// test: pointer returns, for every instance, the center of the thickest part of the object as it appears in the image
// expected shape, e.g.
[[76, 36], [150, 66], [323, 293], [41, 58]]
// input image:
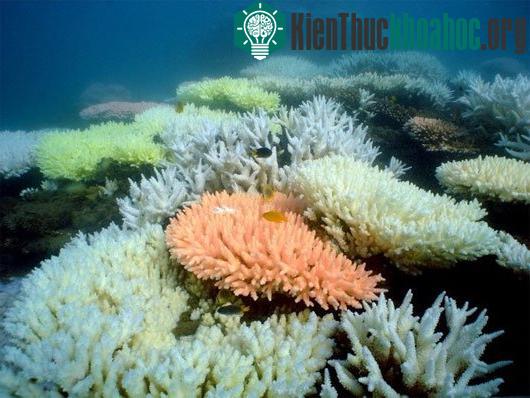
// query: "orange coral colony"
[[225, 238]]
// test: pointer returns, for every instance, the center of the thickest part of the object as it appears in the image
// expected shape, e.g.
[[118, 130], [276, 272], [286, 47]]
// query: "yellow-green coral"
[[229, 93], [75, 154]]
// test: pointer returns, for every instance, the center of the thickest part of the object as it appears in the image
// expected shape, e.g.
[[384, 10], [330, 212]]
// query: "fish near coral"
[[274, 216], [241, 253], [262, 152], [232, 309]]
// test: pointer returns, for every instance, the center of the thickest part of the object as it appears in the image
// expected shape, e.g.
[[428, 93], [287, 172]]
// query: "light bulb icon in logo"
[[259, 27]]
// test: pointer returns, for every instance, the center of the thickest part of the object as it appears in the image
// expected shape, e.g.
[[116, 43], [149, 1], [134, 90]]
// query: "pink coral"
[[115, 110], [226, 239]]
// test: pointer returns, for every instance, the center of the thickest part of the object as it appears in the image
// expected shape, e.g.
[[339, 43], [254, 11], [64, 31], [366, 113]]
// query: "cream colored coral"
[[368, 211], [98, 320], [494, 177], [396, 354]]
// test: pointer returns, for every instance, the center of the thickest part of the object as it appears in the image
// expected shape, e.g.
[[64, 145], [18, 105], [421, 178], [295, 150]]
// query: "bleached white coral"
[[501, 106], [394, 353], [517, 148], [285, 66], [367, 211], [17, 152], [156, 198], [495, 177], [218, 156], [99, 320], [412, 63], [513, 254], [320, 127]]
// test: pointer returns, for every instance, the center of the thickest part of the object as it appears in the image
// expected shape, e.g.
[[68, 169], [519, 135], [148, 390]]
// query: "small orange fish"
[[274, 216]]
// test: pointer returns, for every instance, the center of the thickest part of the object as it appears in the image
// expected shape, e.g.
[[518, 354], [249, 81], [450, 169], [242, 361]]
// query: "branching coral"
[[17, 152], [517, 148], [395, 354], [500, 106], [76, 154], [229, 94], [368, 211], [437, 135], [156, 198], [498, 178], [217, 154], [225, 238], [80, 314], [412, 63], [99, 321], [512, 254]]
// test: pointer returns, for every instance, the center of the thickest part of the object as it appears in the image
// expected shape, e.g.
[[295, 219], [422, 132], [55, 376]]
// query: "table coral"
[[75, 154], [367, 211], [228, 93], [225, 238], [493, 177]]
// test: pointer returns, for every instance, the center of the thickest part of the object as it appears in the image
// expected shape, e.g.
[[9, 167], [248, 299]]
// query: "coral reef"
[[229, 94], [17, 152], [438, 135], [500, 106], [98, 320], [406, 88], [75, 154], [115, 111], [395, 354], [493, 177], [217, 155], [412, 63], [284, 66], [368, 211], [225, 238]]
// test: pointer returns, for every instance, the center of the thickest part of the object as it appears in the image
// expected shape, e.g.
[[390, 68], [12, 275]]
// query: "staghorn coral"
[[438, 135], [412, 63], [216, 155], [395, 354], [115, 110], [226, 239], [17, 152], [229, 94], [98, 320], [76, 154], [285, 66], [500, 106], [156, 198], [368, 211], [493, 177], [517, 148]]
